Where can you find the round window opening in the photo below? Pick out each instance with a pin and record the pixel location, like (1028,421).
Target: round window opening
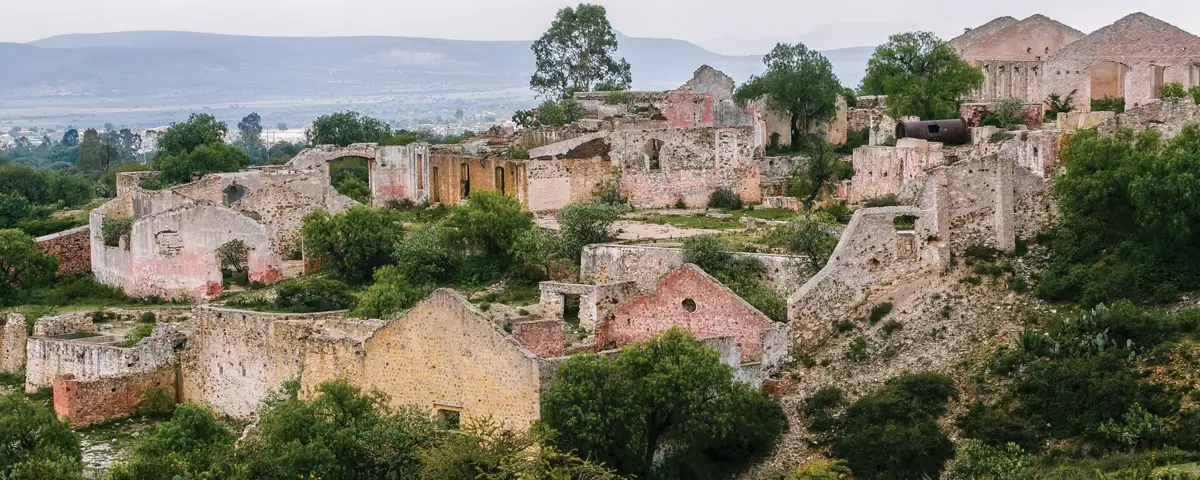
(689,305)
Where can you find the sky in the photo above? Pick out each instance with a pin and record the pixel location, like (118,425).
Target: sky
(730,27)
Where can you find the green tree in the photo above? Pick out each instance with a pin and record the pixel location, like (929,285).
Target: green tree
(342,433)
(70,137)
(250,137)
(799,84)
(22,263)
(210,158)
(96,157)
(193,444)
(345,128)
(585,223)
(490,223)
(576,54)
(34,444)
(671,391)
(921,75)
(814,236)
(485,450)
(558,113)
(182,138)
(13,209)
(541,249)
(1127,226)
(893,433)
(353,243)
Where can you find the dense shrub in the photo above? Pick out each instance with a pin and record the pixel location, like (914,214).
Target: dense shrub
(35,444)
(814,236)
(725,198)
(1007,114)
(137,334)
(193,444)
(997,427)
(392,292)
(1172,90)
(585,223)
(976,460)
(889,200)
(1119,235)
(313,294)
(1109,104)
(879,311)
(742,274)
(893,433)
(22,263)
(489,223)
(113,230)
(353,243)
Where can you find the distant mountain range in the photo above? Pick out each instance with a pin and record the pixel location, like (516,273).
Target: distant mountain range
(187,68)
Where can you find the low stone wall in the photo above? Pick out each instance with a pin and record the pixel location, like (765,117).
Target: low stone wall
(72,248)
(12,343)
(95,358)
(1167,117)
(596,302)
(54,325)
(1032,113)
(88,402)
(643,265)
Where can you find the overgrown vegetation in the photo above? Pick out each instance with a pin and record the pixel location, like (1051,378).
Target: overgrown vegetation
(725,198)
(1108,104)
(1007,115)
(1056,104)
(921,75)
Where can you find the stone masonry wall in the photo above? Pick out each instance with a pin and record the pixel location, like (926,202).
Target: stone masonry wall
(444,353)
(88,402)
(72,248)
(880,171)
(1167,117)
(543,338)
(692,163)
(12,343)
(555,183)
(693,300)
(644,265)
(596,302)
(96,357)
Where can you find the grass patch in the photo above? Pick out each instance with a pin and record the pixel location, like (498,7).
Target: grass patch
(140,332)
(879,311)
(692,221)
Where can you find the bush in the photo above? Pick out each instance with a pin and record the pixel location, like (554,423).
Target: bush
(307,295)
(725,198)
(741,274)
(892,326)
(585,223)
(139,332)
(893,433)
(858,351)
(490,223)
(557,114)
(822,469)
(1172,90)
(112,230)
(157,403)
(997,427)
(392,292)
(890,200)
(193,444)
(37,446)
(147,317)
(976,460)
(353,243)
(814,236)
(1007,114)
(819,409)
(879,311)
(609,191)
(839,211)
(1108,104)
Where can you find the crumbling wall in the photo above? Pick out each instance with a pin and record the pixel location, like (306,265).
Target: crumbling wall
(1167,117)
(644,265)
(72,248)
(12,343)
(94,358)
(172,254)
(660,166)
(453,174)
(881,171)
(1146,52)
(236,358)
(775,173)
(690,299)
(596,302)
(445,354)
(871,253)
(88,402)
(554,184)
(316,159)
(543,338)
(1083,120)
(400,172)
(1033,114)
(54,325)
(685,109)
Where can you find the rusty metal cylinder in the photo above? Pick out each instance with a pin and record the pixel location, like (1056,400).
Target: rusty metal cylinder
(944,131)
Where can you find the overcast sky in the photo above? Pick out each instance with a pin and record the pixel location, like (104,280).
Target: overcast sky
(729,26)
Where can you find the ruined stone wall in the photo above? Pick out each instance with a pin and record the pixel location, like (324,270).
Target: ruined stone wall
(597,303)
(1032,39)
(531,138)
(1003,80)
(1167,117)
(870,254)
(12,343)
(96,358)
(976,203)
(172,254)
(1084,120)
(685,109)
(53,325)
(1129,59)
(316,159)
(881,171)
(444,353)
(690,299)
(400,172)
(543,338)
(644,265)
(775,173)
(449,171)
(692,163)
(88,402)
(1033,114)
(236,358)
(279,199)
(72,248)
(554,184)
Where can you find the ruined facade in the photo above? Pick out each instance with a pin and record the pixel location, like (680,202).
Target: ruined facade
(1036,57)
(72,248)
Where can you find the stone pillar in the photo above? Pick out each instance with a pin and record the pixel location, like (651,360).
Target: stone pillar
(1005,210)
(12,343)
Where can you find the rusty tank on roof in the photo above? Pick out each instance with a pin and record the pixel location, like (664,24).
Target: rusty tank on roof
(953,132)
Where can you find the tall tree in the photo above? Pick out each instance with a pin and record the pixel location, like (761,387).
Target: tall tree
(200,129)
(921,75)
(250,137)
(196,147)
(576,54)
(345,128)
(95,157)
(70,138)
(799,83)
